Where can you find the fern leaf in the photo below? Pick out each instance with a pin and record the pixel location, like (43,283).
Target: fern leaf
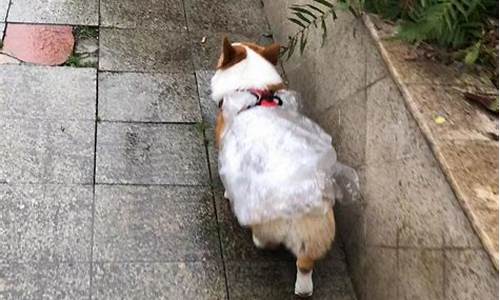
(304,11)
(297,22)
(315,8)
(302,17)
(325,3)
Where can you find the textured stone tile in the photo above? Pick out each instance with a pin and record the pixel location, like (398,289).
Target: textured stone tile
(381,273)
(182,280)
(392,132)
(2,29)
(375,65)
(161,15)
(46,152)
(350,222)
(345,121)
(206,45)
(276,279)
(425,198)
(150,154)
(341,75)
(470,275)
(381,190)
(55,93)
(4,6)
(75,12)
(420,274)
(213,157)
(458,230)
(208,106)
(143,50)
(163,223)
(148,97)
(229,16)
(42,223)
(44,280)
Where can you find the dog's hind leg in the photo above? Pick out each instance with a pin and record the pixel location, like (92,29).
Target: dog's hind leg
(304,282)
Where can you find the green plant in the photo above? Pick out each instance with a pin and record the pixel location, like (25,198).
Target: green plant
(463,27)
(83,32)
(315,15)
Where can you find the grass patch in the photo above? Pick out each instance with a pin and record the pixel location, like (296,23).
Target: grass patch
(75,61)
(84,32)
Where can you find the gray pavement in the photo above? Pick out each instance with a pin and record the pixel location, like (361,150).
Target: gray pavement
(108,176)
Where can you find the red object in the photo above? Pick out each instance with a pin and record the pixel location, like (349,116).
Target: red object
(39,44)
(268,103)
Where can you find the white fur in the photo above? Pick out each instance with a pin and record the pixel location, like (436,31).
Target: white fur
(252,72)
(304,284)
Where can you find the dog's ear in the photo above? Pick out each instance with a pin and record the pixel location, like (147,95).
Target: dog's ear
(231,55)
(272,53)
(227,54)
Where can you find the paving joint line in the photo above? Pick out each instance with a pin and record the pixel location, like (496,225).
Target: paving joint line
(206,144)
(96,123)
(5,20)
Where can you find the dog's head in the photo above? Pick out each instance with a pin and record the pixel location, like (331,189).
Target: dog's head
(245,66)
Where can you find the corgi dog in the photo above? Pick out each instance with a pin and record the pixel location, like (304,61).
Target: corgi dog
(309,236)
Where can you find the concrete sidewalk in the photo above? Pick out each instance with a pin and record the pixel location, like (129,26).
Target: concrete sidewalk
(108,177)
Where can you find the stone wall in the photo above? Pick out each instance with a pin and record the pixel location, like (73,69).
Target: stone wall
(407,238)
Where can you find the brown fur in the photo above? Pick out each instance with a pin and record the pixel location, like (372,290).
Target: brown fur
(231,55)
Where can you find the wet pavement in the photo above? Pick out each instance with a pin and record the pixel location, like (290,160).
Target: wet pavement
(108,173)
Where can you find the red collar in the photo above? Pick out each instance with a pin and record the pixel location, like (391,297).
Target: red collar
(265,98)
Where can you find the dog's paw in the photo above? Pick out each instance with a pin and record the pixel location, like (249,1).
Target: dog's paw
(226,196)
(304,284)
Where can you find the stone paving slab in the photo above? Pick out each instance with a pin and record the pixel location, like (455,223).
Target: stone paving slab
(263,274)
(208,106)
(49,93)
(45,223)
(165,15)
(163,223)
(143,50)
(468,275)
(275,279)
(168,97)
(46,151)
(150,154)
(2,29)
(180,280)
(44,280)
(240,16)
(4,7)
(75,12)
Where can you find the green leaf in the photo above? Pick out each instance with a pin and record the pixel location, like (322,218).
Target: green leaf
(315,8)
(302,17)
(325,3)
(303,10)
(472,54)
(303,42)
(297,22)
(324,35)
(291,47)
